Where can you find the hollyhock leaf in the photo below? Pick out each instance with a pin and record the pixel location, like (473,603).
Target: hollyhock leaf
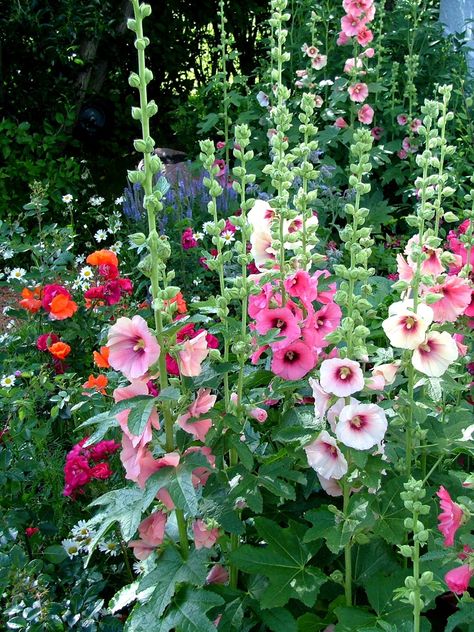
(354,619)
(464,615)
(123,597)
(211,377)
(373,558)
(247,488)
(189,612)
(278,619)
(169,394)
(139,416)
(379,589)
(386,504)
(172,570)
(104,422)
(245,455)
(323,521)
(257,379)
(232,616)
(182,491)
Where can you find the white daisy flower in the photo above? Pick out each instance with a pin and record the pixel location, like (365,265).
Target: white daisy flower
(116,247)
(96,200)
(101,235)
(139,567)
(195,299)
(8,253)
(16,273)
(86,273)
(198,236)
(206,226)
(81,529)
(71,547)
(67,199)
(111,548)
(228,236)
(7,381)
(80,259)
(119,200)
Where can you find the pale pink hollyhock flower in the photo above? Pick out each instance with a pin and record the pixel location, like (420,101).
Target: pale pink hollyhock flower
(340,123)
(318,100)
(456,296)
(335,410)
(404,269)
(458,579)
(203,536)
(325,457)
(319,61)
(365,114)
(293,361)
(361,426)
(301,73)
(152,533)
(260,414)
(342,39)
(330,628)
(364,36)
(402,119)
(435,354)
(407,145)
(132,347)
(201,474)
(462,348)
(192,354)
(451,517)
(341,376)
(357,7)
(311,51)
(358,92)
(369,52)
(402,154)
(330,485)
(190,421)
(217,575)
(350,25)
(415,125)
(352,63)
(404,328)
(261,248)
(432,264)
(321,399)
(137,387)
(280,318)
(382,375)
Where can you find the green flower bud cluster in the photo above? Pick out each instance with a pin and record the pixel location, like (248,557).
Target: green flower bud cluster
(357,242)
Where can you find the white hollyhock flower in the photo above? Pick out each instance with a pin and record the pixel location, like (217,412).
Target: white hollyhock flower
(361,426)
(435,354)
(325,457)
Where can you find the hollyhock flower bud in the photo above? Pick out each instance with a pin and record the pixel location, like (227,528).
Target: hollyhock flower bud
(369,52)
(435,354)
(361,426)
(458,579)
(342,377)
(204,537)
(462,348)
(132,347)
(340,123)
(450,518)
(321,399)
(220,144)
(217,575)
(260,414)
(331,486)
(325,457)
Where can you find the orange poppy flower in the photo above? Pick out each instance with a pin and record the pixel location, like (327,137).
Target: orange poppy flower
(101,358)
(62,307)
(180,303)
(31,299)
(102,257)
(60,350)
(98,383)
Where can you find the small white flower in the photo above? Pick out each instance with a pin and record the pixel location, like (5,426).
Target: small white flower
(228,236)
(197,281)
(71,547)
(116,247)
(326,82)
(198,236)
(206,226)
(8,254)
(7,309)
(195,299)
(16,273)
(67,199)
(119,200)
(101,235)
(80,259)
(111,548)
(86,273)
(96,200)
(7,381)
(81,530)
(139,567)
(262,99)
(84,175)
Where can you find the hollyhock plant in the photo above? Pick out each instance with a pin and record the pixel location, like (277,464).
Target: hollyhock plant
(361,426)
(457,579)
(133,349)
(435,354)
(325,457)
(450,518)
(341,377)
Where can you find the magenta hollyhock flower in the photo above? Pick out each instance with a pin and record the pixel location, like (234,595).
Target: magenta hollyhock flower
(456,296)
(187,239)
(365,114)
(204,537)
(192,355)
(435,354)
(260,301)
(358,92)
(293,361)
(152,533)
(458,579)
(342,377)
(402,119)
(217,575)
(450,518)
(361,426)
(133,347)
(137,387)
(280,318)
(325,457)
(321,323)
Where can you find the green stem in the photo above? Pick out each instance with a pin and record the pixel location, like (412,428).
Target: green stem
(347,550)
(224,80)
(416,575)
(125,556)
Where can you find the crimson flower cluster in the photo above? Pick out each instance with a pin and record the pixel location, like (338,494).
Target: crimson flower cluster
(86,464)
(110,287)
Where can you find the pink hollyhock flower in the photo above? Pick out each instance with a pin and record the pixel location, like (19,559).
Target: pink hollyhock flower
(450,518)
(357,7)
(342,377)
(456,296)
(152,533)
(369,52)
(324,296)
(377,132)
(432,263)
(201,474)
(402,119)
(415,125)
(457,247)
(282,319)
(217,575)
(340,123)
(435,354)
(139,463)
(462,348)
(187,239)
(303,286)
(382,375)
(330,485)
(350,25)
(402,154)
(365,114)
(293,361)
(132,347)
(325,321)
(190,421)
(361,426)
(319,61)
(325,457)
(408,146)
(364,36)
(204,537)
(260,301)
(260,414)
(137,387)
(311,51)
(342,39)
(352,63)
(358,92)
(405,270)
(321,399)
(458,579)
(404,328)
(191,356)
(220,144)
